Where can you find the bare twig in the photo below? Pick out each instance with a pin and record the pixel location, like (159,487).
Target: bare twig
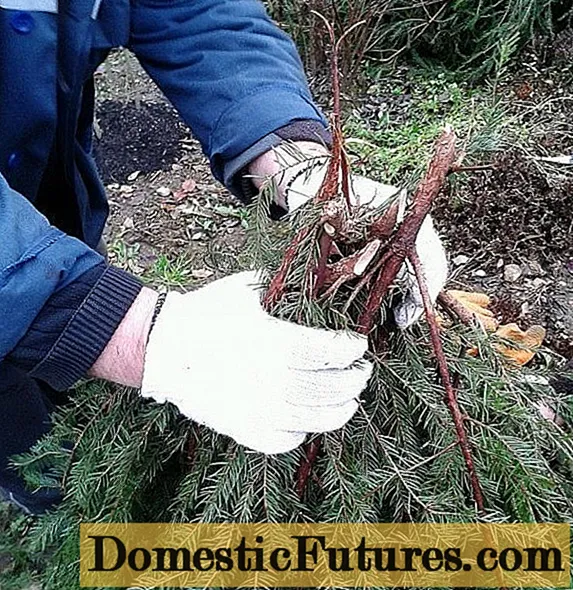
(305,468)
(455,308)
(451,397)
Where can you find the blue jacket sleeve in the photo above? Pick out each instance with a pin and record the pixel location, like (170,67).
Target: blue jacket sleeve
(36,260)
(232,74)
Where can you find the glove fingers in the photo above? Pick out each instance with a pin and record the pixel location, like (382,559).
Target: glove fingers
(331,387)
(322,418)
(314,349)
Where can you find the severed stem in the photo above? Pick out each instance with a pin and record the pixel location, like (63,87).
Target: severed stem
(455,308)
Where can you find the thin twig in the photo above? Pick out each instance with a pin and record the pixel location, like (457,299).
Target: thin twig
(451,397)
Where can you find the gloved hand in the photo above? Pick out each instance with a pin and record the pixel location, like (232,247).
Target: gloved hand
(298,171)
(226,363)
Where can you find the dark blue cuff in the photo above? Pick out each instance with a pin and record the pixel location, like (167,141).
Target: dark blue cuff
(235,170)
(75,325)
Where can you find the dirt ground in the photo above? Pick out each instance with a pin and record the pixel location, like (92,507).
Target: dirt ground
(507,230)
(514,223)
(164,203)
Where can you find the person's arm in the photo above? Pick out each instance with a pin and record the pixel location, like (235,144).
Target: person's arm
(61,306)
(233,75)
(123,358)
(65,313)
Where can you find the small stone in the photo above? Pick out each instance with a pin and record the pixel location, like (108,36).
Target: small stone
(176,167)
(525,308)
(163,191)
(128,223)
(512,272)
(201,273)
(460,259)
(533,269)
(538,283)
(480,273)
(133,176)
(197,235)
(500,263)
(126,189)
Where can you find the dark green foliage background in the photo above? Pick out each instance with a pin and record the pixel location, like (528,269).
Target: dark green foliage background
(475,36)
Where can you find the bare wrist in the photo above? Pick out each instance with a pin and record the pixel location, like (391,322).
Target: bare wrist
(122,360)
(282,162)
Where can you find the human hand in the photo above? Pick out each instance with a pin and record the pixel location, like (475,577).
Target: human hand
(224,362)
(298,171)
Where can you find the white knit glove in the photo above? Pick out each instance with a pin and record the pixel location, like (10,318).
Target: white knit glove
(364,191)
(224,362)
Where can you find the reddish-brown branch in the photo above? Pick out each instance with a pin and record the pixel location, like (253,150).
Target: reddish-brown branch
(325,247)
(384,226)
(354,265)
(386,277)
(336,178)
(455,308)
(451,397)
(403,241)
(305,468)
(277,285)
(349,268)
(345,179)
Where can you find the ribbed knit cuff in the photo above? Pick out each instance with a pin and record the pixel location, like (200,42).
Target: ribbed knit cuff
(89,330)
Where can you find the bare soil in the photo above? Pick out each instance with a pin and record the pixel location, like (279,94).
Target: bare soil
(521,212)
(146,155)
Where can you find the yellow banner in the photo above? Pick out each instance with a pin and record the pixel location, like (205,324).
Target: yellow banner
(324,555)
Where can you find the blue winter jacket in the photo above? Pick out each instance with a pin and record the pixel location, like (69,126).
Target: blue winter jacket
(231,73)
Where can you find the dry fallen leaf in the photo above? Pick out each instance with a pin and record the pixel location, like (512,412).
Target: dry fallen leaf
(527,342)
(477,304)
(186,189)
